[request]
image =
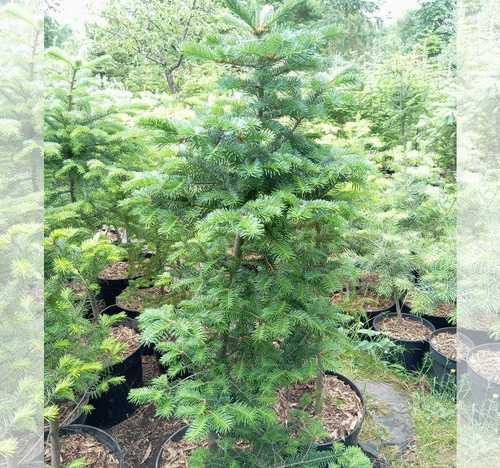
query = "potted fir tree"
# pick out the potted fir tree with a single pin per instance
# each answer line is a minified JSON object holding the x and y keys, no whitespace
{"x":72,"y":373}
{"x":266,"y":204}
{"x":394,"y":260}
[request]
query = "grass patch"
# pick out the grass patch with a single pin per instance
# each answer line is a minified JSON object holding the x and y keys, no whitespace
{"x":433,"y":411}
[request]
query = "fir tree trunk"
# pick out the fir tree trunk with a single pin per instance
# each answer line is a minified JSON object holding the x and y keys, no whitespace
{"x":320,"y":383}
{"x":237,"y":247}
{"x":398,"y":306}
{"x":212,"y":441}
{"x":72,"y":188}
{"x":55,"y":444}
{"x":93,"y":306}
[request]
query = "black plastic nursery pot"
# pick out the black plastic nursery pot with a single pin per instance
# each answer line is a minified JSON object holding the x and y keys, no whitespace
{"x":478,"y":337}
{"x":113,"y":407}
{"x":131,"y":313}
{"x":444,"y":369}
{"x":101,"y":436}
{"x":175,"y":437}
{"x":371,"y":314}
{"x":352,"y":437}
{"x":484,"y":391}
{"x":413,"y":352}
{"x":436,"y":320}
{"x":350,"y":440}
{"x":110,"y":289}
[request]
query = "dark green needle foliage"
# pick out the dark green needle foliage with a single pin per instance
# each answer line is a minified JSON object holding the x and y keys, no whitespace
{"x":266,"y":206}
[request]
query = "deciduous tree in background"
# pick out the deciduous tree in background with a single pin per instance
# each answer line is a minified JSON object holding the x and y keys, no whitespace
{"x":152,"y":34}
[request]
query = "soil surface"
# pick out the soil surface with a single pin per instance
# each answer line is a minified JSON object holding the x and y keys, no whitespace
{"x":487,"y":364}
{"x":176,"y":454}
{"x":127,"y":336}
{"x":366,"y":300}
{"x":115,"y":271}
{"x":139,"y":299}
{"x":446,"y":344}
{"x":84,"y":446}
{"x":404,"y":329}
{"x":142,"y":435}
{"x":443,"y":310}
{"x":342,"y":407}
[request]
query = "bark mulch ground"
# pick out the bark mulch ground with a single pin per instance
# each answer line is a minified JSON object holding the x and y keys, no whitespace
{"x":487,"y":364}
{"x":342,"y":408}
{"x":83,"y":446}
{"x":446,"y":344}
{"x":404,"y":329}
{"x":128,"y":337}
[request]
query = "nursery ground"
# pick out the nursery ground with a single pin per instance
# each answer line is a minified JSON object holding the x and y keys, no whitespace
{"x":432,"y":412}
{"x":431,"y":417}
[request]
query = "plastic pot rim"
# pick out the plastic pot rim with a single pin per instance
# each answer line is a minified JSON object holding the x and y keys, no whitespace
{"x":425,"y":322}
{"x":104,"y":437}
{"x":496,"y":347}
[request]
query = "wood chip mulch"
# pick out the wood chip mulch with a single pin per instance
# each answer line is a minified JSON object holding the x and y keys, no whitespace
{"x":487,"y":364}
{"x":443,"y":310}
{"x":342,"y":407}
{"x":139,"y":299}
{"x":404,"y":329}
{"x":446,"y":344}
{"x":75,"y":446}
{"x":127,"y":336}
{"x":115,"y":271}
{"x":176,"y":454}
{"x":142,"y":435}
{"x":365,"y":300}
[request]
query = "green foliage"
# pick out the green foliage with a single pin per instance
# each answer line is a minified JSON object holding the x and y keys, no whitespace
{"x":267,"y":203}
{"x":395,"y":98}
{"x":432,"y":25}
{"x":72,"y":258}
{"x":148,"y":38}
{"x":83,"y":124}
{"x":54,"y":33}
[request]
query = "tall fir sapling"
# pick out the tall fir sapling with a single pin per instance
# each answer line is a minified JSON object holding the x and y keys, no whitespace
{"x":82,"y":123}
{"x":266,"y":204}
